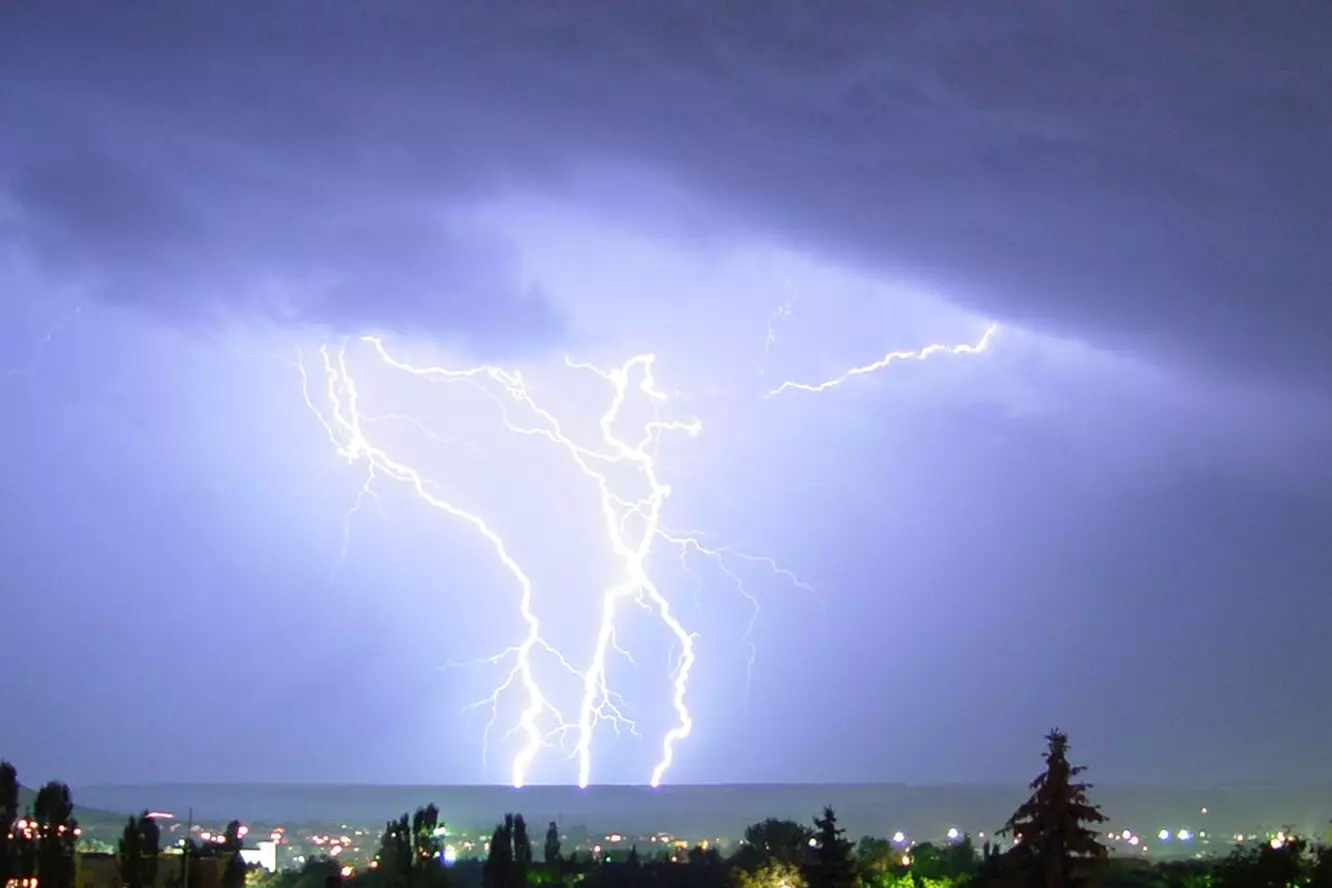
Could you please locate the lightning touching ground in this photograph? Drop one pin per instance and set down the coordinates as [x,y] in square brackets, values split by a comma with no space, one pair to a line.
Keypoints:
[632,524]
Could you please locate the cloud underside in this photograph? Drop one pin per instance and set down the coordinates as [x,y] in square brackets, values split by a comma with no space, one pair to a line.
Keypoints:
[1147,177]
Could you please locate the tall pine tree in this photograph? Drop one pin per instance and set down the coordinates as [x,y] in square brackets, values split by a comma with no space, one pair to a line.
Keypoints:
[497,872]
[522,850]
[1055,842]
[831,865]
[9,809]
[552,849]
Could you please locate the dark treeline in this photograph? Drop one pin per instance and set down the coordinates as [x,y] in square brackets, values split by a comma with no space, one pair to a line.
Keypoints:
[38,844]
[1052,840]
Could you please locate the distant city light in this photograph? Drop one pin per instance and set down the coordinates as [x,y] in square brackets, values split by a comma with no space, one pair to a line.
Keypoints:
[953,833]
[1164,835]
[1184,835]
[899,837]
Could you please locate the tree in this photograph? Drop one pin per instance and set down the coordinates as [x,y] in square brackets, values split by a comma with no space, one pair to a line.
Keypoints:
[774,839]
[1054,846]
[428,838]
[56,834]
[522,850]
[1320,872]
[1275,864]
[497,871]
[774,874]
[233,841]
[427,834]
[140,848]
[831,865]
[552,849]
[393,862]
[876,857]
[700,856]
[9,809]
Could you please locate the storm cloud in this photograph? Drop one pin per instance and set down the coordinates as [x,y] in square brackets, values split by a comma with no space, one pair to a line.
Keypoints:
[1133,480]
[1147,178]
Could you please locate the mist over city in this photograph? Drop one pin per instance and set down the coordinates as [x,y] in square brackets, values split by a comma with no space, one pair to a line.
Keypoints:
[763,444]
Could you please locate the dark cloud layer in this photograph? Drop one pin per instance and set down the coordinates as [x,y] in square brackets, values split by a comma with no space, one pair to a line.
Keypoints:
[1148,176]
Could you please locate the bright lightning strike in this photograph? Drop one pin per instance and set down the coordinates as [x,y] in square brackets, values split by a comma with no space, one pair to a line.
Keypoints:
[632,523]
[921,354]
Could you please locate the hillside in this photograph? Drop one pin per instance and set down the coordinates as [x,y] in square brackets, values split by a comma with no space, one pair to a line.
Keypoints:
[87,817]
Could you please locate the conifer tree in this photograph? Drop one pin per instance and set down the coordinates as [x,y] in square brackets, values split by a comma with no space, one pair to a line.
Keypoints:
[522,850]
[552,850]
[831,865]
[1054,842]
[497,872]
[9,809]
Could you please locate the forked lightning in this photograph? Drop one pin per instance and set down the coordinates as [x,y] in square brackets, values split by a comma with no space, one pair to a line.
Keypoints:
[632,524]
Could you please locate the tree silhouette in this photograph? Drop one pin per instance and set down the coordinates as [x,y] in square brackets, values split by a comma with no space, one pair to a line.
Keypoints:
[1320,873]
[774,874]
[9,809]
[497,871]
[393,862]
[876,857]
[427,835]
[233,872]
[1053,844]
[552,849]
[831,864]
[775,839]
[522,850]
[140,848]
[1287,861]
[56,834]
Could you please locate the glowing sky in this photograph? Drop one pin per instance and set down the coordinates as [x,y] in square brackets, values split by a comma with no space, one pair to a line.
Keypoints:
[1132,481]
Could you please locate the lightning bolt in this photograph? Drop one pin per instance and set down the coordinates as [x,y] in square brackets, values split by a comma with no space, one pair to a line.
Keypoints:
[39,350]
[631,523]
[921,354]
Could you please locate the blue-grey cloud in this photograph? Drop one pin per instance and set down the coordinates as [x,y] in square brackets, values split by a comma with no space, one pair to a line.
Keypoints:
[1147,177]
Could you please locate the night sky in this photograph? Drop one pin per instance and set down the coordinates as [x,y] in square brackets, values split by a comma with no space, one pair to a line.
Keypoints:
[1116,519]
